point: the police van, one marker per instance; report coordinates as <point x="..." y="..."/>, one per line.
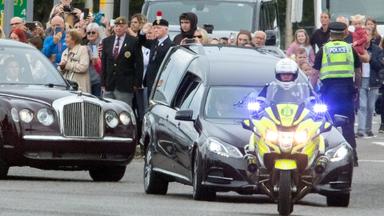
<point x="224" y="17"/>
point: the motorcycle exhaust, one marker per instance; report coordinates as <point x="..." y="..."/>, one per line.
<point x="321" y="164"/>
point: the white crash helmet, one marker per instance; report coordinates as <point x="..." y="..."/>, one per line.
<point x="286" y="66"/>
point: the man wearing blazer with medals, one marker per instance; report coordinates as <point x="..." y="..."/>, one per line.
<point x="122" y="64"/>
<point x="158" y="49"/>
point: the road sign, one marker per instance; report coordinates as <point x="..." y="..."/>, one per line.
<point x="20" y="9"/>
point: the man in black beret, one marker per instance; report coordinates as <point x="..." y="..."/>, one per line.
<point x="122" y="64"/>
<point x="338" y="67"/>
<point x="159" y="47"/>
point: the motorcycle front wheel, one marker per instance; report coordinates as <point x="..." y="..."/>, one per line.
<point x="284" y="203"/>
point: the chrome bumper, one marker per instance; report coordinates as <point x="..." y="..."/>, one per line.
<point x="61" y="138"/>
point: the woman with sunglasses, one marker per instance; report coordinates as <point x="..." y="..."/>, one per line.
<point x="94" y="38"/>
<point x="201" y="36"/>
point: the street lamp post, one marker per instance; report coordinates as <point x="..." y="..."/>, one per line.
<point x="8" y="10"/>
<point x="124" y="8"/>
<point x="30" y="10"/>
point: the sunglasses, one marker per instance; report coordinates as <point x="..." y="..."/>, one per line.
<point x="12" y="24"/>
<point x="91" y="32"/>
<point x="198" y="36"/>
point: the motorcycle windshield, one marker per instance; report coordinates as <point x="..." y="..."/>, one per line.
<point x="296" y="94"/>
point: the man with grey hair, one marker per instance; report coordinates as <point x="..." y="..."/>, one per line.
<point x="348" y="35"/>
<point x="259" y="39"/>
<point x="17" y="23"/>
<point x="54" y="45"/>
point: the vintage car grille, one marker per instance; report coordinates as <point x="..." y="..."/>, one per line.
<point x="82" y="119"/>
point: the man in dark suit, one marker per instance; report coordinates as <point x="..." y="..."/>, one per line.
<point x="159" y="48"/>
<point x="122" y="64"/>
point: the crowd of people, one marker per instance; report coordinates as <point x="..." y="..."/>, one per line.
<point x="118" y="59"/>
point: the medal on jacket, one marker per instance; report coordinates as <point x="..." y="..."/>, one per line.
<point x="127" y="54"/>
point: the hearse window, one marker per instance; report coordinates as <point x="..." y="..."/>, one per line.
<point x="170" y="76"/>
<point x="196" y="101"/>
<point x="186" y="91"/>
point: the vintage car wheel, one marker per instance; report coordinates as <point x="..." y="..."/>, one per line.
<point x="154" y="183"/>
<point x="111" y="173"/>
<point x="284" y="204"/>
<point x="199" y="191"/>
<point x="340" y="200"/>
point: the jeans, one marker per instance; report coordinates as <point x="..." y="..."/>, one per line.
<point x="367" y="99"/>
<point x="126" y="97"/>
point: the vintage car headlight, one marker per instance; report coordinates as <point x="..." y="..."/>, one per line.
<point x="15" y="115"/>
<point x="124" y="118"/>
<point x="223" y="149"/>
<point x="45" y="116"/>
<point x="26" y="115"/>
<point x="111" y="119"/>
<point x="337" y="153"/>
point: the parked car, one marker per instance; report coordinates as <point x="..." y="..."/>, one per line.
<point x="224" y="17"/>
<point x="192" y="132"/>
<point x="47" y="124"/>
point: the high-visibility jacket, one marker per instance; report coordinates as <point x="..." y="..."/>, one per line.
<point x="337" y="60"/>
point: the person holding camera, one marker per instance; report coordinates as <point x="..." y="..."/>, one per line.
<point x="54" y="45"/>
<point x="63" y="8"/>
<point x="188" y="26"/>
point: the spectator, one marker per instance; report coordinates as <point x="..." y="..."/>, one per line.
<point x="54" y="45"/>
<point x="372" y="24"/>
<point x="302" y="40"/>
<point x="369" y="88"/>
<point x="38" y="31"/>
<point x="222" y="40"/>
<point x="243" y="37"/>
<point x="360" y="37"/>
<point x="306" y="68"/>
<point x="2" y="34"/>
<point x="74" y="63"/>
<point x="122" y="64"/>
<point x="64" y="8"/>
<point x="321" y="35"/>
<point x="137" y="22"/>
<point x="83" y="33"/>
<point x="150" y="35"/>
<point x="158" y="47"/>
<point x="18" y="35"/>
<point x="94" y="39"/>
<point x="188" y="26"/>
<point x="17" y="23"/>
<point x="201" y="36"/>
<point x="259" y="39"/>
<point x="300" y="56"/>
<point x="214" y="41"/>
<point x="348" y="38"/>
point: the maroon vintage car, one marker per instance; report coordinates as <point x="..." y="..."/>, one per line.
<point x="47" y="124"/>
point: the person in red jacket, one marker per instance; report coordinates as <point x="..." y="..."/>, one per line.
<point x="360" y="36"/>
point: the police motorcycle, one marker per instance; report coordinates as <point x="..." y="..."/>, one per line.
<point x="296" y="149"/>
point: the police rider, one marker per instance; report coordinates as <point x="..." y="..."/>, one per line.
<point x="286" y="74"/>
<point x="337" y="66"/>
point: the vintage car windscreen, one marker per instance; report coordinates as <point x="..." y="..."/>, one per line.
<point x="20" y="66"/>
<point x="225" y="102"/>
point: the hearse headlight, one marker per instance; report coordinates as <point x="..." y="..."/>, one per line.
<point x="45" y="116"/>
<point x="26" y="115"/>
<point x="111" y="119"/>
